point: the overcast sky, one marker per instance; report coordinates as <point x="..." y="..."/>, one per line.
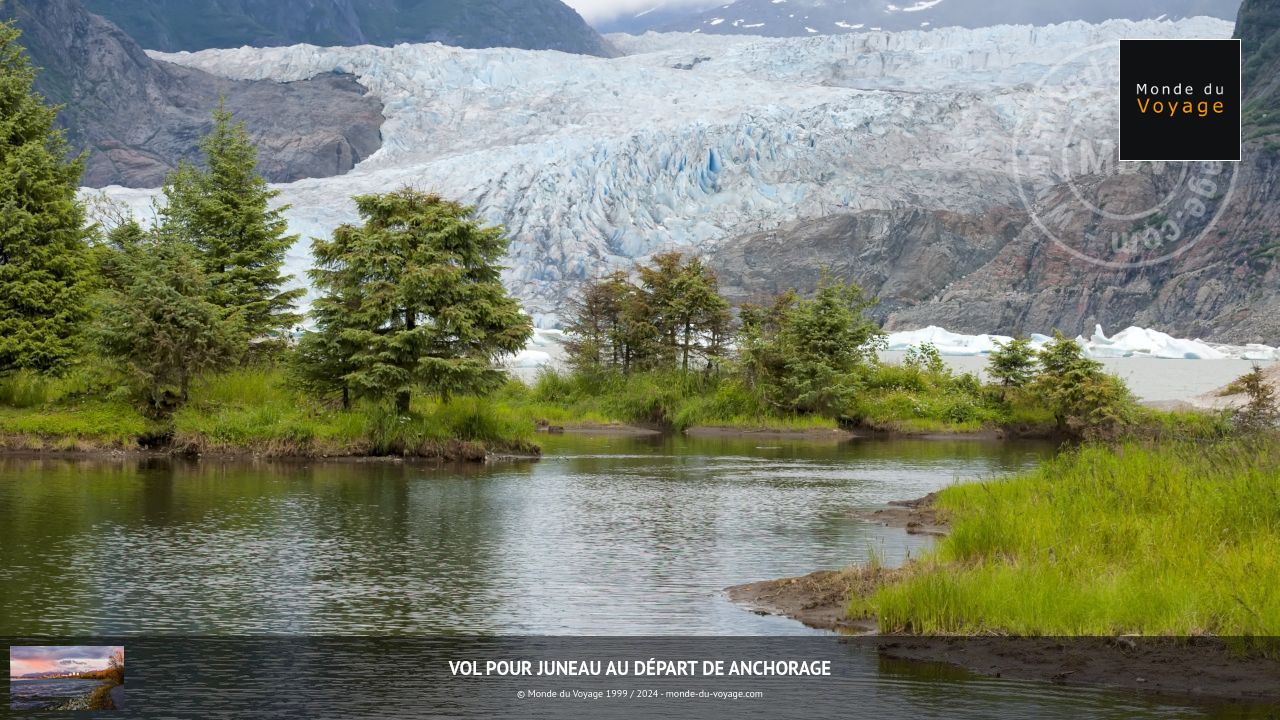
<point x="596" y="10"/>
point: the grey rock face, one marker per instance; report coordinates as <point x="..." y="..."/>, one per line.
<point x="898" y="256"/>
<point x="998" y="272"/>
<point x="1225" y="286"/>
<point x="175" y="25"/>
<point x="138" y="117"/>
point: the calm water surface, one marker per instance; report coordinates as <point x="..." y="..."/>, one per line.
<point x="611" y="536"/>
<point x="603" y="537"/>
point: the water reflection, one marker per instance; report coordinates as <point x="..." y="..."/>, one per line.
<point x="604" y="536"/>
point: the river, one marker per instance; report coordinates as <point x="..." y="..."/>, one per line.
<point x="608" y="536"/>
<point x="42" y="694"/>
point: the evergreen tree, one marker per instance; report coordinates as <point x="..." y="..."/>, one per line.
<point x="614" y="325"/>
<point x="113" y="255"/>
<point x="1260" y="411"/>
<point x="594" y="337"/>
<point x="686" y="309"/>
<point x="325" y="356"/>
<point x="1013" y="364"/>
<point x="806" y="354"/>
<point x="160" y="325"/>
<point x="759" y="356"/>
<point x="43" y="251"/>
<point x="224" y="211"/>
<point x="1085" y="400"/>
<point x="427" y="306"/>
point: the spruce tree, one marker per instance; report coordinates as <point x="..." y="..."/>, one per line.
<point x="420" y="291"/>
<point x="806" y="355"/>
<point x="43" y="251"/>
<point x="157" y="322"/>
<point x="686" y="308"/>
<point x="1013" y="364"/>
<point x="224" y="211"/>
<point x="325" y="355"/>
<point x="1086" y="401"/>
<point x="823" y="343"/>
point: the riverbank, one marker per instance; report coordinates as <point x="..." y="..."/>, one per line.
<point x="891" y="401"/>
<point x="255" y="413"/>
<point x="1208" y="668"/>
<point x="1155" y="566"/>
<point x="106" y="697"/>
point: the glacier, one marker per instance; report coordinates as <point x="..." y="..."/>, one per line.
<point x="596" y="164"/>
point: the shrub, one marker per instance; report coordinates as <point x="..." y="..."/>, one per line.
<point x="1085" y="401"/>
<point x="1260" y="411"/>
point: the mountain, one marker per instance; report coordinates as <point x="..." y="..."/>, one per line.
<point x="660" y="14"/>
<point x="1259" y="31"/>
<point x="138" y="117"/>
<point x="707" y="144"/>
<point x="173" y="25"/>
<point x="1225" y="285"/>
<point x="898" y="256"/>
<point x="799" y="18"/>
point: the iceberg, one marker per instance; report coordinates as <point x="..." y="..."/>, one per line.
<point x="1130" y="342"/>
<point x="947" y="343"/>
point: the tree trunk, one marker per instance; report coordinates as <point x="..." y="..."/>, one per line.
<point x="402" y="397"/>
<point x="346" y="398"/>
<point x="684" y="363"/>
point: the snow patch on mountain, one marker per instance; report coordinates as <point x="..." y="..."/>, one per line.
<point x="594" y="164"/>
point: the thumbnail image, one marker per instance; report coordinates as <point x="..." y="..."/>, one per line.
<point x="66" y="677"/>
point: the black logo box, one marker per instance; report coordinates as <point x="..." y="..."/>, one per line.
<point x="1190" y="66"/>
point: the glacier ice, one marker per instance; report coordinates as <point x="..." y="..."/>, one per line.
<point x="593" y="164"/>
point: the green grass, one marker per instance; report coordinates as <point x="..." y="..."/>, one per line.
<point x="671" y="400"/>
<point x="252" y="410"/>
<point x="900" y="398"/>
<point x="92" y="422"/>
<point x="1170" y="539"/>
<point x="84" y="408"/>
<point x="256" y="409"/>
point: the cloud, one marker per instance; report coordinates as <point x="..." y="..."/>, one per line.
<point x="28" y="659"/>
<point x="599" y="10"/>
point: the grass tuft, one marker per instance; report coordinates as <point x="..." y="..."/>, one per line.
<point x="1174" y="539"/>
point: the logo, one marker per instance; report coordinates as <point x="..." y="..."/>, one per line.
<point x="1078" y="192"/>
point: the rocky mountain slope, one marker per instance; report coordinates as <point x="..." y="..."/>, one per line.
<point x="798" y="18"/>
<point x="172" y="25"/>
<point x="1220" y="279"/>
<point x="694" y="140"/>
<point x="1224" y="286"/>
<point x="899" y="255"/>
<point x="138" y="117"/>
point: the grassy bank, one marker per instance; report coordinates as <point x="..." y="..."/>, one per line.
<point x="257" y="411"/>
<point x="1174" y="539"/>
<point x="669" y="400"/>
<point x="891" y="399"/>
<point x="252" y="411"/>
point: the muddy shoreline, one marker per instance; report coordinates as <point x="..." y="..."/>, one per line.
<point x="1209" y="669"/>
